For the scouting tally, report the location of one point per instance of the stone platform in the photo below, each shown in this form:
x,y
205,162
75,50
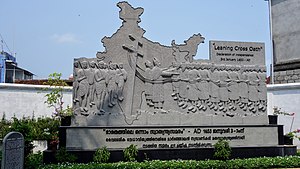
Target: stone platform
x,y
247,141
184,142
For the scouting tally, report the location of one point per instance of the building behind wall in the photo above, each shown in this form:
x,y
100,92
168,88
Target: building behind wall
x,y
9,70
286,40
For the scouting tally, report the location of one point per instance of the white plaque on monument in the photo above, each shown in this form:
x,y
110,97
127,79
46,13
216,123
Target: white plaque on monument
x,y
237,53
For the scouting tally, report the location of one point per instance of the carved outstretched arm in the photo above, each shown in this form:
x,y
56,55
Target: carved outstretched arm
x,y
81,78
98,78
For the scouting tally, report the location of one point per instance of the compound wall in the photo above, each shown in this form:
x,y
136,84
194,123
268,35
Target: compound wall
x,y
22,100
25,100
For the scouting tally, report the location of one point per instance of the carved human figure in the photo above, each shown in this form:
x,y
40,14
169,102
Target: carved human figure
x,y
122,77
223,90
76,105
234,87
253,89
91,79
175,81
148,84
262,89
192,88
75,82
214,88
100,89
158,88
83,88
243,89
204,86
182,93
112,85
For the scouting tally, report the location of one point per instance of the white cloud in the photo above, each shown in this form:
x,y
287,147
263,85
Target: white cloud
x,y
65,38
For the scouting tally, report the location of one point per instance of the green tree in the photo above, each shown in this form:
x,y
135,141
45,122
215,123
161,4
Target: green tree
x,y
55,97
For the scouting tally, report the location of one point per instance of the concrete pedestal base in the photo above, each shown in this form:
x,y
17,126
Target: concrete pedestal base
x,y
171,142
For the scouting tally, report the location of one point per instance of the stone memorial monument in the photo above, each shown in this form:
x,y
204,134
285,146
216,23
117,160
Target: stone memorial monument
x,y
160,98
13,151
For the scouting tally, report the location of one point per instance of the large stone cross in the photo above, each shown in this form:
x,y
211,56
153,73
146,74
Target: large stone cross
x,y
135,49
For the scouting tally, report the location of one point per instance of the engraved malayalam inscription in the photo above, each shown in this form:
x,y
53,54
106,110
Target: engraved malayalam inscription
x,y
193,137
172,137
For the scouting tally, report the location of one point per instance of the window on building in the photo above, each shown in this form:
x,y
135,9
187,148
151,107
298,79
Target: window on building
x,y
9,76
19,74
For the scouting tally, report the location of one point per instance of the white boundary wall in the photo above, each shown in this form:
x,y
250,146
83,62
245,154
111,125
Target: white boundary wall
x,y
286,97
25,100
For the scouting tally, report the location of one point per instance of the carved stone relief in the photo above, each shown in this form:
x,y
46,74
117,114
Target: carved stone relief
x,y
135,78
97,85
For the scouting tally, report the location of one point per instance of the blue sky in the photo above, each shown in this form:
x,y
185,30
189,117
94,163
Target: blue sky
x,y
48,35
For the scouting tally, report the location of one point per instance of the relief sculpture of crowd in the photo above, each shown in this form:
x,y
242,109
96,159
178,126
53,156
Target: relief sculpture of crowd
x,y
196,87
199,87
97,84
